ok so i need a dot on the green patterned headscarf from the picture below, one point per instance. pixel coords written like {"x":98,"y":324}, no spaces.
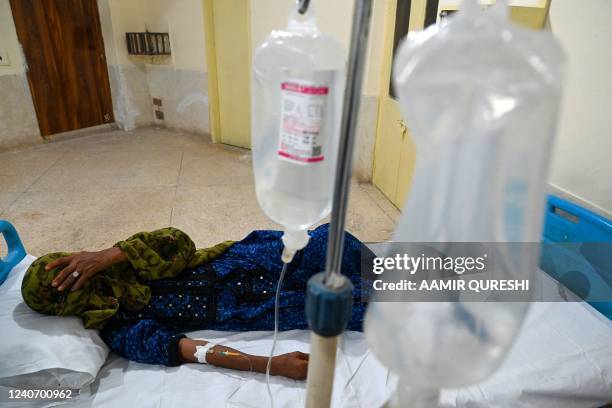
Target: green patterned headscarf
{"x":151,"y":255}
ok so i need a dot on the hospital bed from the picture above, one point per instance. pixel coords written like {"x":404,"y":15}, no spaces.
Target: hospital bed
{"x":562,"y":357}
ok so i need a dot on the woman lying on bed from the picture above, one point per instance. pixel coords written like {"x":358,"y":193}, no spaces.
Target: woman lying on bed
{"x":145,"y":291}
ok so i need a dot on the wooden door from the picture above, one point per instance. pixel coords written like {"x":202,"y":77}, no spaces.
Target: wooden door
{"x":228,"y":43}
{"x":63,"y":46}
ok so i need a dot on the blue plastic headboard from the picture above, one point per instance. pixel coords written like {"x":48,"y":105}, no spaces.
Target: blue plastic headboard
{"x":577,"y":251}
{"x":16,"y":251}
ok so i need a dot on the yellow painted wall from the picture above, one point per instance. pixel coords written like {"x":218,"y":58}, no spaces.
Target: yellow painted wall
{"x":334,"y":17}
{"x":522,"y":3}
{"x":8,"y":41}
{"x":230,"y":78}
{"x":395,"y":153}
{"x":528,"y":13}
{"x":581,"y":164}
{"x":183,"y":19}
{"x":124,"y":16}
{"x":374,"y":57}
{"x":106,"y":25}
{"x":267,"y":14}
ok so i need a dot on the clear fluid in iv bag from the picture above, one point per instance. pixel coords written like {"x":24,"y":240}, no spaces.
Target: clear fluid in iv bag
{"x":295,"y":177}
{"x":298,"y":85}
{"x":488,"y":96}
{"x":443,"y":344}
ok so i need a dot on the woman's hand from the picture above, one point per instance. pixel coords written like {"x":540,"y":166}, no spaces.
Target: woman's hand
{"x":80,"y":266}
{"x":292,"y":365}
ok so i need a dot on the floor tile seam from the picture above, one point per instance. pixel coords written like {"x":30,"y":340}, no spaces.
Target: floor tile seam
{"x":176,"y":186}
{"x":377,"y":204}
{"x":22,"y":193}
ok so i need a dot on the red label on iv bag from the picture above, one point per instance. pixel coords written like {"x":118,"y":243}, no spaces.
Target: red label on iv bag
{"x":312,"y":90}
{"x":303,"y":106}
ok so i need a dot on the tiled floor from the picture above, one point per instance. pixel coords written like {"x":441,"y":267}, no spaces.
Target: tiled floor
{"x":89,"y":192}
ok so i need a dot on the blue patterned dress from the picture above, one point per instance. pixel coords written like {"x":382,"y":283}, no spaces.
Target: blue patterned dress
{"x":235,"y":292}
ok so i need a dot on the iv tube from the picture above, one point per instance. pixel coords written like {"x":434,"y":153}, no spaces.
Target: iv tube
{"x":276,"y":307}
{"x":295,"y":68}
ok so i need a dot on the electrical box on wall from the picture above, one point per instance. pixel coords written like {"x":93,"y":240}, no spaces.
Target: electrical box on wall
{"x":148,"y":43}
{"x":158,"y":109}
{"x":4,"y":58}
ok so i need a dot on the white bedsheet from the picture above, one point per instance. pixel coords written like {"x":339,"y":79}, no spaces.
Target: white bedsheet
{"x":127,"y":384}
{"x":563,"y":358}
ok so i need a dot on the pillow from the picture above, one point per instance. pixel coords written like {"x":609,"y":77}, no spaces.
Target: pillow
{"x":40,"y":351}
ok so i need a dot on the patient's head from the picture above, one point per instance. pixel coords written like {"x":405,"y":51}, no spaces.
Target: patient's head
{"x":38,"y":293}
{"x":94,"y":302}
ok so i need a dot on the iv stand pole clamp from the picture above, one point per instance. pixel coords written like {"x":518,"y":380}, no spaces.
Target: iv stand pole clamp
{"x":303,"y":6}
{"x":329,"y":296}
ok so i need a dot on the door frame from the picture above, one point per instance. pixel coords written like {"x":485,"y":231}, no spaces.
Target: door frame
{"x":387,"y":180}
{"x":214,"y":106}
{"x":211,"y":66}
{"x":422,"y":12}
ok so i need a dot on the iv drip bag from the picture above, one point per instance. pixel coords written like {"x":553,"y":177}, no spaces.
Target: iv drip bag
{"x":297,"y":92}
{"x":481,"y":97}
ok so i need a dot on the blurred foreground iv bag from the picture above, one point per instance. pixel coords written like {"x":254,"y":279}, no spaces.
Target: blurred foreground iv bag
{"x":298,"y":84}
{"x":481,"y":97}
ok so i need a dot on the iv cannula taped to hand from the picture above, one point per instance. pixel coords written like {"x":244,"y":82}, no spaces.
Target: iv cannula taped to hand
{"x":297,"y":90}
{"x":481,"y":97}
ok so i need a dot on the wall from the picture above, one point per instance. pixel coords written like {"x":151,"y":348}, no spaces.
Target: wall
{"x":8,"y":41}
{"x":18,"y":124}
{"x":525,"y":3}
{"x":368,"y":113}
{"x":582,"y":165}
{"x":335,"y":18}
{"x":179,"y":80}
{"x":132,"y":103}
{"x":582,"y":169}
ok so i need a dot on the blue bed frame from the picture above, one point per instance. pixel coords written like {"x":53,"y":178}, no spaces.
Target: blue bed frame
{"x":16,"y":251}
{"x":576,"y":251}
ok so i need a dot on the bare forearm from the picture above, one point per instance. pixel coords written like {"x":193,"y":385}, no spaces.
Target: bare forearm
{"x":234,"y":360}
{"x":292,"y":365}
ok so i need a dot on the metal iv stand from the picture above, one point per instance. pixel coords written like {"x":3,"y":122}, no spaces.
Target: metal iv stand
{"x":329,"y":295}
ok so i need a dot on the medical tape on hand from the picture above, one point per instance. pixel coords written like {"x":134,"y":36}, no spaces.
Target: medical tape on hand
{"x":202,"y":352}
